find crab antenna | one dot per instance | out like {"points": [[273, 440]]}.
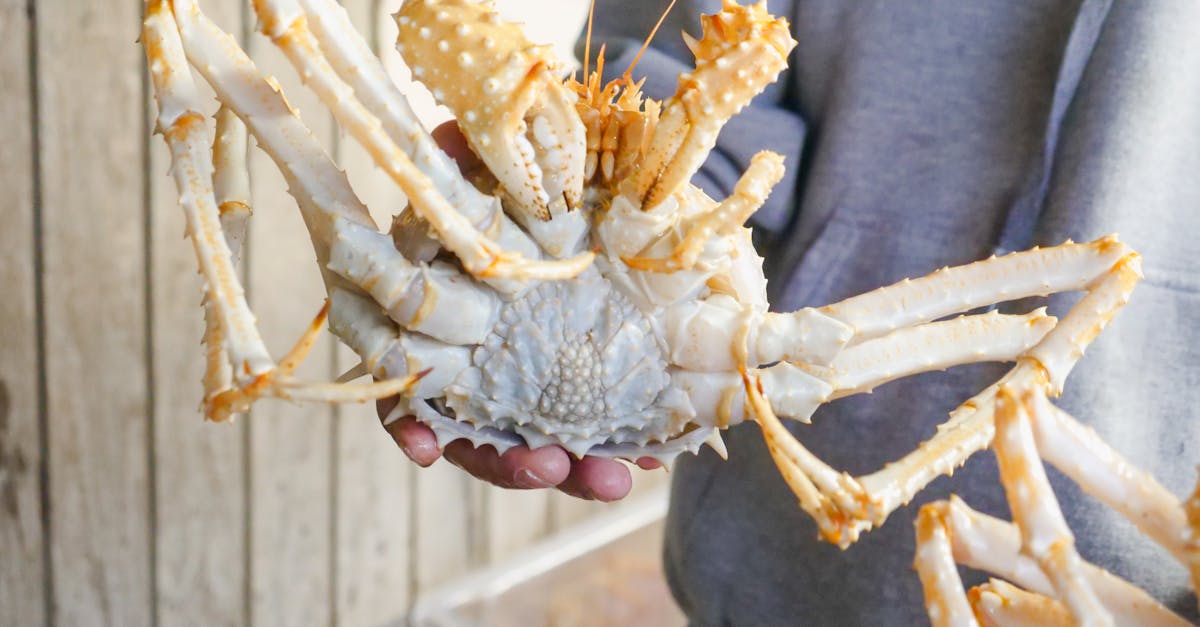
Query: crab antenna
{"points": [[627, 76], [587, 41]]}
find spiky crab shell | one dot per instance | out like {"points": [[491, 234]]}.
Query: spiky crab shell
{"points": [[587, 362], [574, 363]]}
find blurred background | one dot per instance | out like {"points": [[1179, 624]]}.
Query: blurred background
{"points": [[118, 505]]}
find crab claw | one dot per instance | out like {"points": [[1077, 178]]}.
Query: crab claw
{"points": [[515, 112], [743, 50]]}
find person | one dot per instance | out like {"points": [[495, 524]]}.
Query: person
{"points": [[919, 135]]}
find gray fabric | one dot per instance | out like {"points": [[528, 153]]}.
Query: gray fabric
{"points": [[925, 134]]}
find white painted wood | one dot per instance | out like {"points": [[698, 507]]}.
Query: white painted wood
{"points": [[90, 95], [291, 487], [200, 486], [22, 570]]}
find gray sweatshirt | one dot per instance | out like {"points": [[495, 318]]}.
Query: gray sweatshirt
{"points": [[937, 133]]}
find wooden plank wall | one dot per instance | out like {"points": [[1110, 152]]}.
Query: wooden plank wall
{"points": [[118, 504]]}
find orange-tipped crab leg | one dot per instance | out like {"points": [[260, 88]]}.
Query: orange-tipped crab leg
{"points": [[765, 171], [350, 56], [514, 110], [833, 499], [945, 598], [742, 50], [796, 391], [186, 132], [970, 427], [936, 346], [1192, 542], [343, 234], [991, 545], [231, 186], [998, 603], [286, 24], [1035, 272], [1044, 532]]}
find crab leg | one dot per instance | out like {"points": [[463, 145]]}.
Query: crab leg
{"points": [[998, 603], [342, 231], [795, 391], [433, 299], [1192, 542], [1035, 272], [285, 23], [185, 131], [1102, 472], [936, 346], [1044, 531], [390, 352], [945, 599], [833, 499], [720, 400], [355, 63], [765, 171], [231, 179], [970, 427], [231, 185], [992, 545]]}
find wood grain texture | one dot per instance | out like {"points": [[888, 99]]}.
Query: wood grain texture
{"points": [[22, 571], [515, 519], [200, 496], [449, 538], [90, 94], [291, 491], [374, 499]]}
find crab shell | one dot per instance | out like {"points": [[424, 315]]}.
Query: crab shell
{"points": [[640, 354]]}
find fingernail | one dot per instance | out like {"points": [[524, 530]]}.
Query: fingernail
{"points": [[419, 454], [526, 478]]}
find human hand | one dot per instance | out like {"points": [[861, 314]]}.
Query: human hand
{"points": [[519, 467]]}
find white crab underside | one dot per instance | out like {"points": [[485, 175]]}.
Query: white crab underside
{"points": [[572, 362]]}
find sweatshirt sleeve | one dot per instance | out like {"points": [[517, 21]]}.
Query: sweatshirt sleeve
{"points": [[766, 124]]}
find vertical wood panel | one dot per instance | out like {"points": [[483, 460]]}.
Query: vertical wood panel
{"points": [[90, 103], [447, 540], [373, 478], [568, 510], [22, 571], [516, 519], [290, 443], [199, 473]]}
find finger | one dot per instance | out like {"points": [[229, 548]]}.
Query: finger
{"points": [[451, 140], [481, 463], [649, 463], [544, 467], [416, 440], [518, 468], [597, 478]]}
